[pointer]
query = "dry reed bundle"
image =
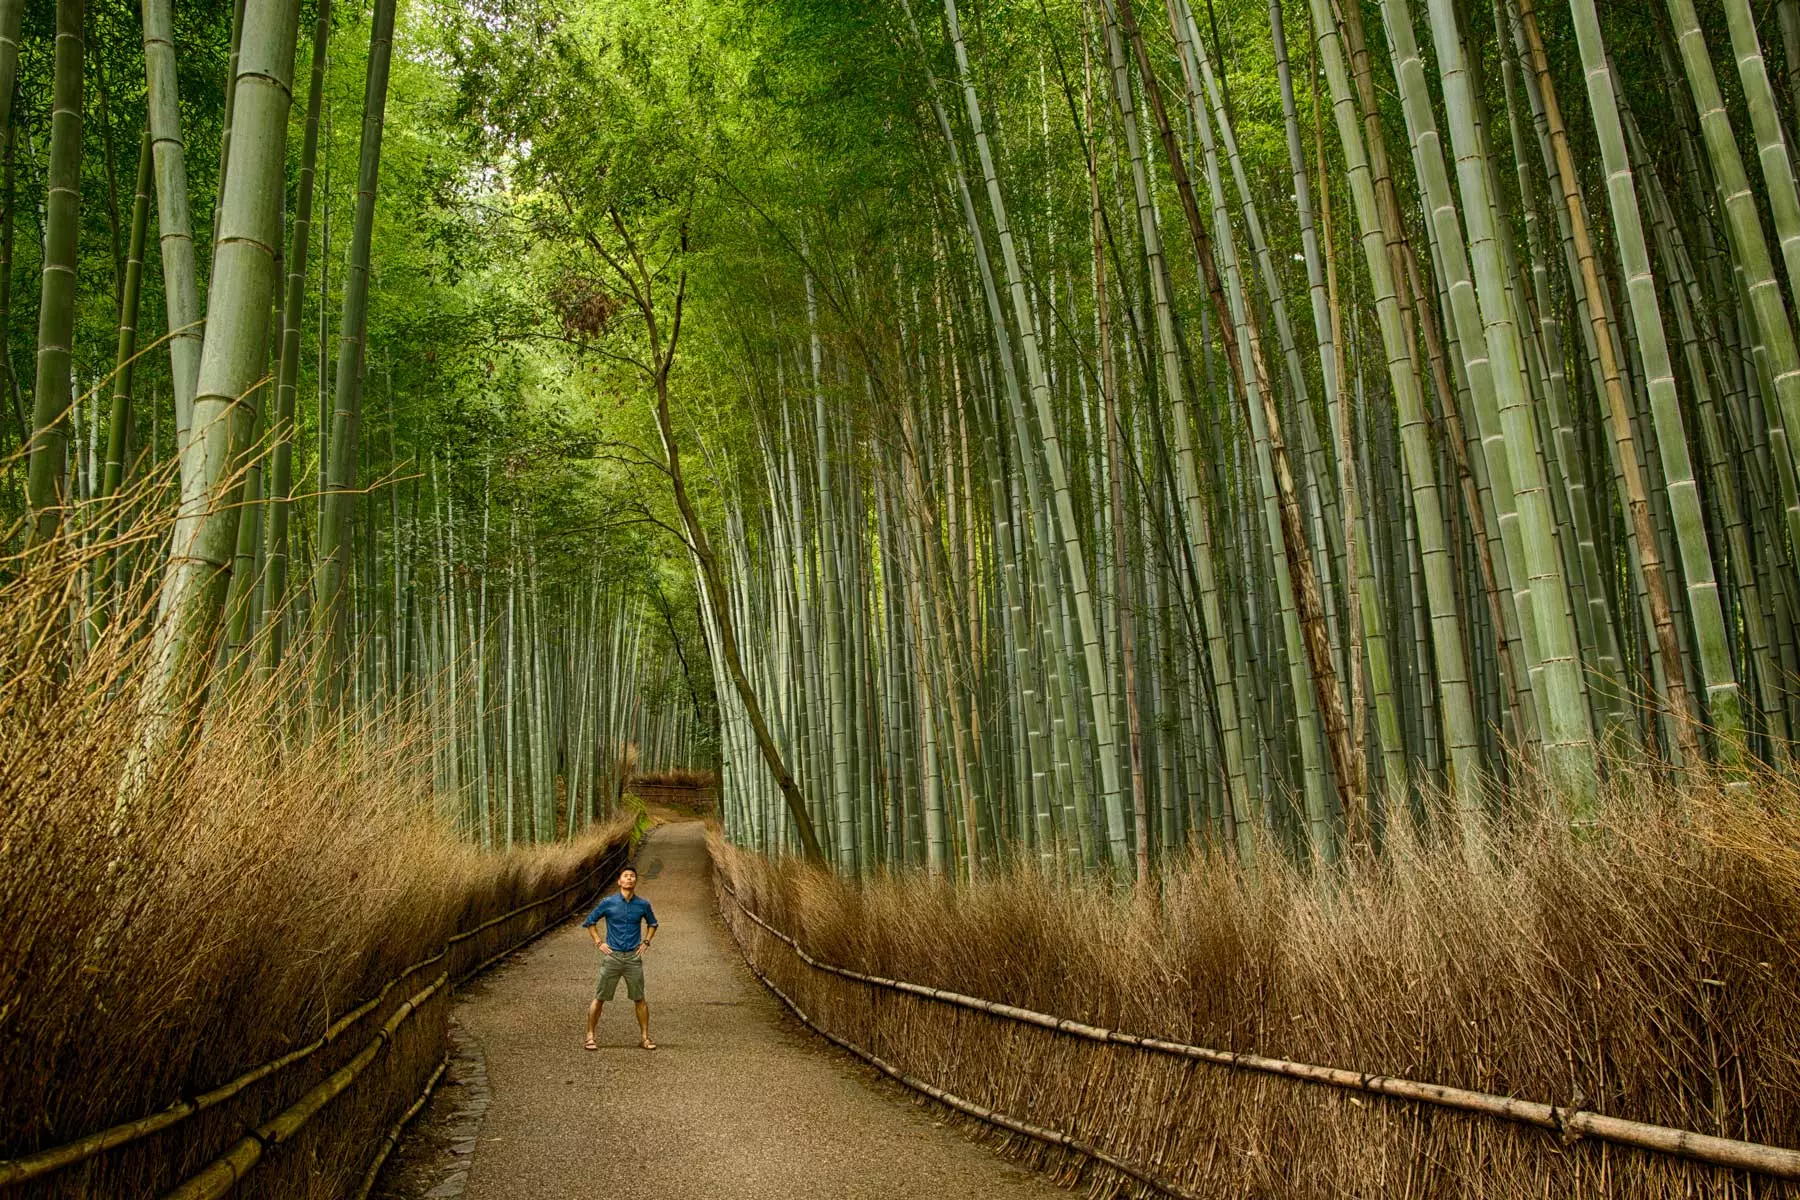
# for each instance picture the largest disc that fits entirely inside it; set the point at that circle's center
(675, 777)
(1648, 968)
(258, 883)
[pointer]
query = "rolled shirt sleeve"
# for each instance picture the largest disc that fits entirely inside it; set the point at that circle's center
(593, 918)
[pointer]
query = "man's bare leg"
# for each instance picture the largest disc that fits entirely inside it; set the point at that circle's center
(643, 1016)
(594, 1022)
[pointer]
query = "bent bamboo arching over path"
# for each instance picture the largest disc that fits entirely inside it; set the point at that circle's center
(1302, 492)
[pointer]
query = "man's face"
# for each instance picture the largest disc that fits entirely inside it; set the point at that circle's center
(627, 881)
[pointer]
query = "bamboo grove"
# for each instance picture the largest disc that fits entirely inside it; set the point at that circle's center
(1276, 426)
(1074, 432)
(264, 499)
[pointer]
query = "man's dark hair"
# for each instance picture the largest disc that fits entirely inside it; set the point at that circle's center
(624, 870)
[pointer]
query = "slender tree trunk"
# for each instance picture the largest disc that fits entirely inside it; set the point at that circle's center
(714, 586)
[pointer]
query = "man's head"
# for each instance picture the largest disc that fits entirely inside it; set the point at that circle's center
(627, 881)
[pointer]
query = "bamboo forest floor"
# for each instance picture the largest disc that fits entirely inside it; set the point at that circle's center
(740, 1102)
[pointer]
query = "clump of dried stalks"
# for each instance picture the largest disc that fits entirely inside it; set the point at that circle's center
(265, 879)
(1647, 966)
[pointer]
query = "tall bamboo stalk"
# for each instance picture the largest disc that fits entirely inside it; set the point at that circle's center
(56, 297)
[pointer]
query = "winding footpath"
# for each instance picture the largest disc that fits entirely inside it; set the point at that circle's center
(741, 1102)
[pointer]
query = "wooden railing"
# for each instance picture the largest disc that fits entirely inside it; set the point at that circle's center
(1564, 1121)
(465, 954)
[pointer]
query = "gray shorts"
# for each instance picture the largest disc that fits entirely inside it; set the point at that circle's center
(616, 966)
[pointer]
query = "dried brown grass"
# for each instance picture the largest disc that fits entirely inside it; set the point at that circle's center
(1647, 967)
(263, 882)
(675, 777)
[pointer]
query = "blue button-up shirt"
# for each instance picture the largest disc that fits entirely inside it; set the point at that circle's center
(623, 931)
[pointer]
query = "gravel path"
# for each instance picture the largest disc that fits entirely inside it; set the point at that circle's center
(740, 1103)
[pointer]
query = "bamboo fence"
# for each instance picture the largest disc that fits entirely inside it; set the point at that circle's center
(1567, 1123)
(465, 954)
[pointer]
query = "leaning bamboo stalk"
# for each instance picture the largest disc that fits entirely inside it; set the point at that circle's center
(231, 376)
(1569, 745)
(1749, 248)
(1645, 540)
(1265, 428)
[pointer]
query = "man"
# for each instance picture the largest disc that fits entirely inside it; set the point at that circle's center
(626, 914)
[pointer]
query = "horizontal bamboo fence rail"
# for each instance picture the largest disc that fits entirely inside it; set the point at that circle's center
(1776, 1161)
(1053, 1137)
(465, 954)
(392, 1140)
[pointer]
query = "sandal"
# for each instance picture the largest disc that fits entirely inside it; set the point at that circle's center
(590, 1045)
(648, 1044)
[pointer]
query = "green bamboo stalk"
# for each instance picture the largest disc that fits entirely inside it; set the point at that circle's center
(346, 417)
(10, 14)
(230, 378)
(174, 222)
(1446, 633)
(1749, 248)
(56, 302)
(1569, 744)
(281, 464)
(1265, 429)
(1723, 703)
(125, 352)
(1050, 439)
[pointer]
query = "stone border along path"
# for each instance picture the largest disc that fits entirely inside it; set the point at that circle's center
(741, 1102)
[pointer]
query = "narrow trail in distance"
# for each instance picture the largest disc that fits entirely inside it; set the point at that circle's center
(741, 1102)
